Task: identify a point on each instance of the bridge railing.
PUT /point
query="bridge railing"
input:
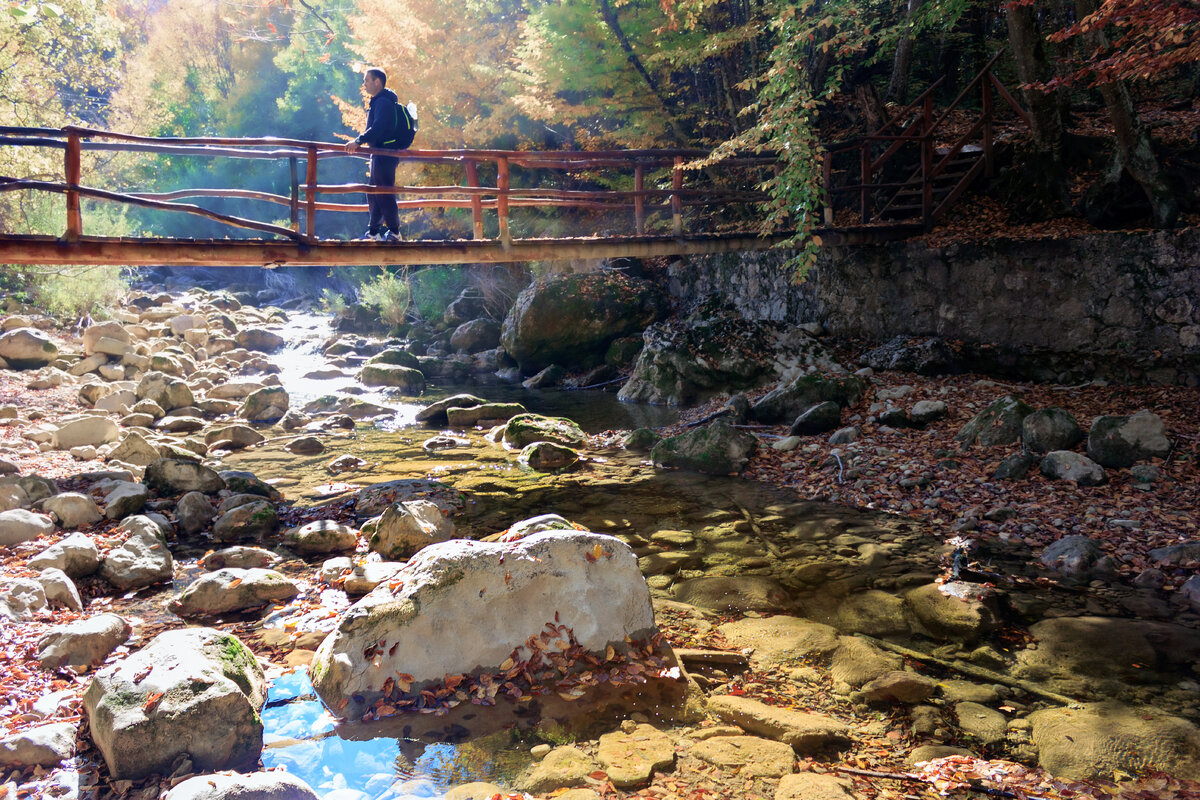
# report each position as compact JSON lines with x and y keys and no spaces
{"x":662,"y":181}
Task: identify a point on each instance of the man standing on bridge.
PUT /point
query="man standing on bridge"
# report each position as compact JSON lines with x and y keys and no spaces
{"x":389,"y":127}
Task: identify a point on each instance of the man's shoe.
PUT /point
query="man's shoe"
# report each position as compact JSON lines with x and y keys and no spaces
{"x":370,"y":236}
{"x":389,"y":237}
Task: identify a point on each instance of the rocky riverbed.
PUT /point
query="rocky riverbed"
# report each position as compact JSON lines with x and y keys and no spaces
{"x":924,"y":568}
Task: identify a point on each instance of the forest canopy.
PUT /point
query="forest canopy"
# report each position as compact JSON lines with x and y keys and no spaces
{"x":728,"y":76}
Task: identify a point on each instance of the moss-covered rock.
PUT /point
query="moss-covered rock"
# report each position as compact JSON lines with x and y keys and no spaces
{"x":1000,"y":423}
{"x":525,"y":429}
{"x":195,"y":692}
{"x":407,"y":380}
{"x":572,"y":319}
{"x":716,"y":449}
{"x":642,"y":440}
{"x":395,"y":356}
{"x":548,"y":456}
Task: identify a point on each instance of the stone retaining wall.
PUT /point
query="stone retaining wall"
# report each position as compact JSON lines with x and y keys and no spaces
{"x":1124,"y":306}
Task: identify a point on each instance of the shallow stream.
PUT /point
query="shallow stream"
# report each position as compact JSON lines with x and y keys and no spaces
{"x":817,"y":561}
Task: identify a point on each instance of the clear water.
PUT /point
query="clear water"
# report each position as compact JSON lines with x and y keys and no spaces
{"x":303,"y":738}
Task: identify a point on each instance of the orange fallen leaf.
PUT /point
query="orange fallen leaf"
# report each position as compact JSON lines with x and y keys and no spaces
{"x":152,"y":701}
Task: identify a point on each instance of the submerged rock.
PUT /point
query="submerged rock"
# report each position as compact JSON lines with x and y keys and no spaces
{"x":494,"y":597}
{"x":1098,"y":739}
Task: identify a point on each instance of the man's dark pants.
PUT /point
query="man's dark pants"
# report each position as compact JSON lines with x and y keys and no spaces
{"x":384,"y":212}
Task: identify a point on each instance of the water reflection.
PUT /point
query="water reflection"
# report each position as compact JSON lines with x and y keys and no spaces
{"x":302,"y":737}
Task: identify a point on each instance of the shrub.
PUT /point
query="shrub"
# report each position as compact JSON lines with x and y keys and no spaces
{"x":73,"y":293}
{"x":390,"y":294}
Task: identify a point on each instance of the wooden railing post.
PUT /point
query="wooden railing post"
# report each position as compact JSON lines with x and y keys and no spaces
{"x":639,"y":200}
{"x":989,"y":162}
{"x":676,"y":200}
{"x":927,"y":163}
{"x":73,"y":169}
{"x":502,"y":201}
{"x":472,"y":168}
{"x":294,"y":172}
{"x":864,"y":199}
{"x":310,"y":195}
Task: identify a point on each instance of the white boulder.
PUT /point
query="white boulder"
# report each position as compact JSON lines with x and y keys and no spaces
{"x":481,"y":602}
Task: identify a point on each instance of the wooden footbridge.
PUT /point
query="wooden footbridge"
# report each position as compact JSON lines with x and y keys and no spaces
{"x":888,"y":185}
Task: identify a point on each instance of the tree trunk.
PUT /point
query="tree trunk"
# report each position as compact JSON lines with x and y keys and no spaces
{"x":1047,"y":194}
{"x":1134,"y":148}
{"x":898,"y":86}
{"x":609,"y":14}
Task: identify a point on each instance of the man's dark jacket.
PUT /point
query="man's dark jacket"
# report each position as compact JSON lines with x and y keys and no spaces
{"x":381,"y":121}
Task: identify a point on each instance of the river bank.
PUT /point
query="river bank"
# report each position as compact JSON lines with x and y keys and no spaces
{"x":840,"y":572}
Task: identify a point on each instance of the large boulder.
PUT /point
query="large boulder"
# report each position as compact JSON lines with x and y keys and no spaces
{"x":406,"y":380}
{"x":322,"y":536}
{"x":112,"y":331}
{"x":85,"y":430}
{"x":526,"y":429}
{"x":1050,"y":429}
{"x":195,"y":691}
{"x":1000,"y":423}
{"x":494,"y":597}
{"x":436,"y":412}
{"x":1118,"y":442}
{"x":259,"y":339}
{"x":143,"y":559}
{"x":788,"y":401}
{"x":683,"y":363}
{"x":268,"y":404}
{"x":178,"y":476}
{"x":476,"y":335}
{"x":72,"y":509}
{"x":716,"y":449}
{"x":1097,"y":739}
{"x":805,"y":732}
{"x":948,"y":616}
{"x":18,"y":525}
{"x":27,"y":348}
{"x":571,"y":319}
{"x":233,"y":589}
{"x":405,"y":528}
{"x":167,"y":392}
{"x":84,"y":643}
{"x":76,"y":555}
{"x":1067,"y":465}
{"x":134,"y":449}
{"x":904,"y":353}
{"x":253,"y":520}
{"x":42,"y":746}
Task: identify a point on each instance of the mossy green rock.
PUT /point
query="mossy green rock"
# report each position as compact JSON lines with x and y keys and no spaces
{"x":468,"y":417}
{"x":526,"y":429}
{"x":408,"y":380}
{"x":436,"y":412}
{"x":548,"y":456}
{"x":716,"y":449}
{"x":642,"y":440}
{"x":1000,"y":423}
{"x":572,"y":319}
{"x":396,"y":357}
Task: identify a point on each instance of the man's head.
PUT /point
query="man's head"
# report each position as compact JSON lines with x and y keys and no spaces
{"x":374,"y":80}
